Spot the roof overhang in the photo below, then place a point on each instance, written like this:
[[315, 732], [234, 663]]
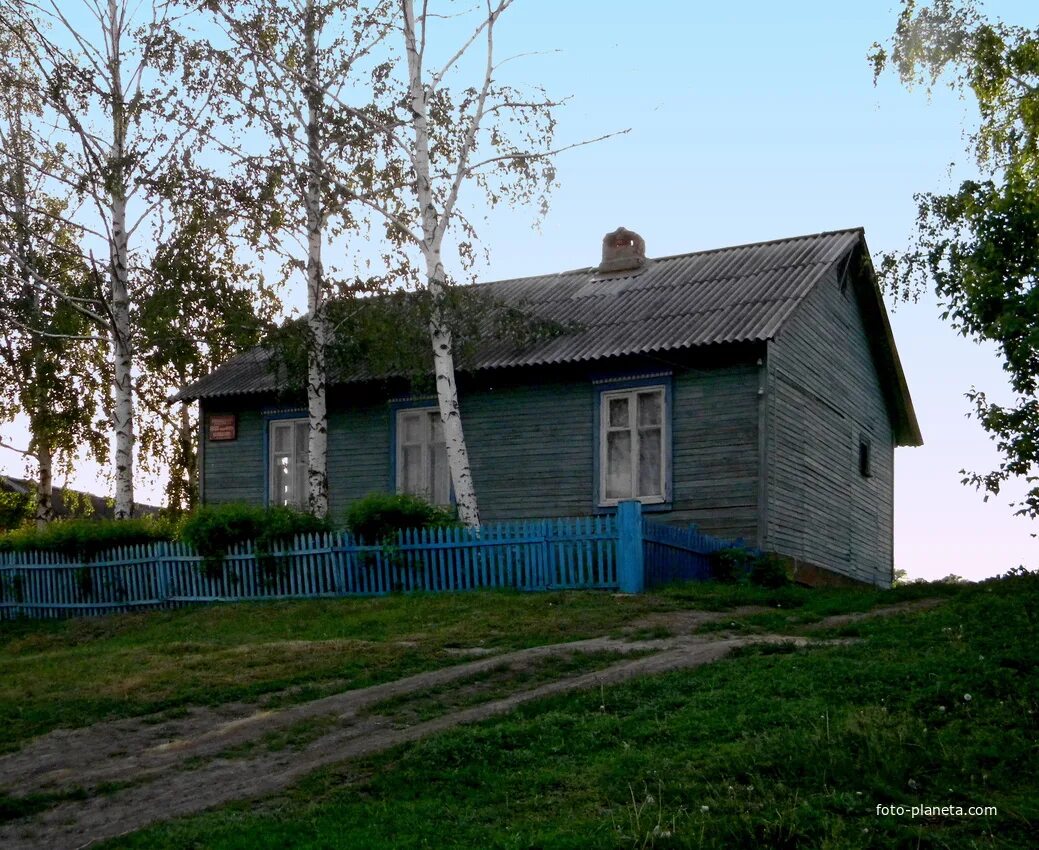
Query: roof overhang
[[892, 377]]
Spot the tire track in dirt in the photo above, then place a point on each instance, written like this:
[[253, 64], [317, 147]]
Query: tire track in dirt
[[118, 750], [163, 788]]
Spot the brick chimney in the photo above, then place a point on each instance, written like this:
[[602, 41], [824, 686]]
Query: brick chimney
[[623, 250]]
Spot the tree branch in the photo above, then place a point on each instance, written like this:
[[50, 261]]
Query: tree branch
[[9, 447], [534, 156]]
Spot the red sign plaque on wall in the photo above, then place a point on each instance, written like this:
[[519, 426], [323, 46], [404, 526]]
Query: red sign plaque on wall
[[222, 426]]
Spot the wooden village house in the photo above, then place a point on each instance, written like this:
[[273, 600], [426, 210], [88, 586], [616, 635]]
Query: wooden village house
[[754, 390]]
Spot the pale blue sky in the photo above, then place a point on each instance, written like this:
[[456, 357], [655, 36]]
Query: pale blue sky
[[759, 121], [756, 121]]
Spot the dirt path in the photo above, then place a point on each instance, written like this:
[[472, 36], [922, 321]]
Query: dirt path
[[178, 767]]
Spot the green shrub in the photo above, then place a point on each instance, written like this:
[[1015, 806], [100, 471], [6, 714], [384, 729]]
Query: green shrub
[[15, 509], [213, 530], [731, 564], [86, 538], [379, 516], [768, 570], [738, 565]]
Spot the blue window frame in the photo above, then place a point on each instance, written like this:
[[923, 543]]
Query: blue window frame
[[418, 454], [285, 438], [632, 454]]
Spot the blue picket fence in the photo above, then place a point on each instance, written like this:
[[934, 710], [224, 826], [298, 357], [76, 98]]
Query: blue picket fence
[[531, 555], [606, 552], [673, 553]]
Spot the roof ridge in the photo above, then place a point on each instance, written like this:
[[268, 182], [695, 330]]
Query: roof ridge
[[860, 230], [778, 275], [730, 276]]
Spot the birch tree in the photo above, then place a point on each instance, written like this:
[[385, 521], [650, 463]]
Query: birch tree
[[458, 135], [108, 91], [51, 372], [292, 67], [977, 246], [51, 368], [201, 306]]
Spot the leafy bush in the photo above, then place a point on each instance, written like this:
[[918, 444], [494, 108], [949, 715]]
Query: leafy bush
[[379, 516], [212, 530], [86, 538], [15, 509], [768, 570], [735, 564], [731, 565]]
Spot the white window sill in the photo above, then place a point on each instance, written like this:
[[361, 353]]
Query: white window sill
[[648, 500]]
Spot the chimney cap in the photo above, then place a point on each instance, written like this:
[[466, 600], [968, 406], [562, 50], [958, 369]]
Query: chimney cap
[[622, 250]]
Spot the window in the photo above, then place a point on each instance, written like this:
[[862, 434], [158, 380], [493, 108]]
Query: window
[[288, 462], [865, 458], [422, 455], [632, 445]]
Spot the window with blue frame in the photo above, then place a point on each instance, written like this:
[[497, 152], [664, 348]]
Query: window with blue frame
[[287, 464], [634, 445], [422, 468]]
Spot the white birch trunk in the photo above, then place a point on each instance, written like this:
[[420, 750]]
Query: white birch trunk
[[122, 350], [317, 444], [122, 362], [44, 484], [447, 398], [188, 456], [432, 238]]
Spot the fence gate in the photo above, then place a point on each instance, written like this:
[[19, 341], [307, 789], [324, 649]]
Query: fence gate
[[675, 553]]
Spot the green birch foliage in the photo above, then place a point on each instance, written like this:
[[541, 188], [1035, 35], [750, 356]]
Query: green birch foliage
[[200, 306], [53, 372], [52, 368], [978, 247], [15, 509], [387, 335]]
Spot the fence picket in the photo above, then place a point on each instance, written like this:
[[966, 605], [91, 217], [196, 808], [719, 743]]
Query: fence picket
[[436, 560], [458, 538], [384, 570], [512, 533], [317, 566], [368, 566], [499, 556], [456, 555], [563, 552], [307, 565], [347, 556], [410, 576], [415, 561]]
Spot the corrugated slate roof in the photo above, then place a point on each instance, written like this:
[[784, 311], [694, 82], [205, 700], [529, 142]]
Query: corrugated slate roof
[[246, 373], [739, 294]]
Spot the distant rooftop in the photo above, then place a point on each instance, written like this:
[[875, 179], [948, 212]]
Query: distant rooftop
[[73, 503]]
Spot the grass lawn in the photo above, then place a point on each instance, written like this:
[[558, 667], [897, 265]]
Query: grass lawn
[[773, 747], [76, 672]]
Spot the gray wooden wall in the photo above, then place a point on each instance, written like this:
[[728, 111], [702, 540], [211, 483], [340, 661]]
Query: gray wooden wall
[[824, 392], [532, 444]]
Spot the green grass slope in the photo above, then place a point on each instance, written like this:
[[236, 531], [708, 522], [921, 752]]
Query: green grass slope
[[773, 748], [80, 671]]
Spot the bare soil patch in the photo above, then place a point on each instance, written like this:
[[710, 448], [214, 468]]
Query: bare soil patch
[[688, 622], [164, 768], [838, 620]]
